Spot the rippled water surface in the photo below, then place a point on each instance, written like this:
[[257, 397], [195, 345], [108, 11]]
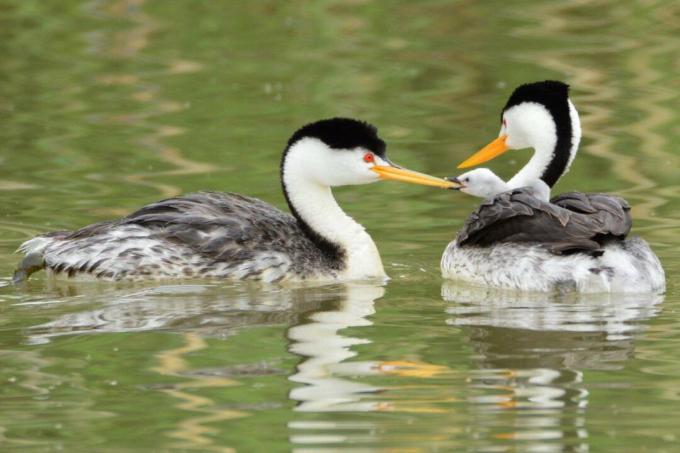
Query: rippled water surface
[[106, 105]]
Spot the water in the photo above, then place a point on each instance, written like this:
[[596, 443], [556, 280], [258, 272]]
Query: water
[[107, 105]]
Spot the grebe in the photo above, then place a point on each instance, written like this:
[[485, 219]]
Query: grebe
[[226, 235], [519, 239]]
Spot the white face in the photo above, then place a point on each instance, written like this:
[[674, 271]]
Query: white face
[[312, 159], [481, 182], [529, 125]]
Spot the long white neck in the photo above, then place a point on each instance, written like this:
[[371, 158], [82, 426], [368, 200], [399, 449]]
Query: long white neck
[[533, 170], [315, 205]]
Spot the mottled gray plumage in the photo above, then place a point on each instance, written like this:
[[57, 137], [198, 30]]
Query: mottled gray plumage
[[569, 223], [204, 234]]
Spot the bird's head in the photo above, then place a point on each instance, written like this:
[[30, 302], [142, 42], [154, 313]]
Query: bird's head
[[537, 115], [480, 182], [343, 151]]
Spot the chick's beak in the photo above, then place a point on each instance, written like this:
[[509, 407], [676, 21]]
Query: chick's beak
[[397, 173], [456, 181], [493, 149]]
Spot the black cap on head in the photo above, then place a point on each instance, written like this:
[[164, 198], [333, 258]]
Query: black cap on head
[[550, 93], [342, 133]]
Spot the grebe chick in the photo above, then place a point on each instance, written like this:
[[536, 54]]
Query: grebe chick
[[483, 183]]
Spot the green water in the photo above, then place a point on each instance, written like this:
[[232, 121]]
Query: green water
[[108, 105]]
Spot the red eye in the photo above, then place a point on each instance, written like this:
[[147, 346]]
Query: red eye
[[504, 123], [368, 157]]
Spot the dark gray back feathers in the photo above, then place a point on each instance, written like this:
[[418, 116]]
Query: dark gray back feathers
[[571, 222], [231, 227]]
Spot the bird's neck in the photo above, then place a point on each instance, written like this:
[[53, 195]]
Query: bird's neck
[[336, 234], [531, 175], [553, 152], [536, 167]]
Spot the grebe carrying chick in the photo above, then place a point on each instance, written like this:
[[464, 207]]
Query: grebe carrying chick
[[226, 235], [521, 239]]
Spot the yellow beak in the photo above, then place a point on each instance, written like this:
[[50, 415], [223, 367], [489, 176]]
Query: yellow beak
[[413, 177], [493, 149]]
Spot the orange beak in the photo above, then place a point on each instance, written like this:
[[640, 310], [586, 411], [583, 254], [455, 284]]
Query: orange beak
[[412, 177], [493, 149]]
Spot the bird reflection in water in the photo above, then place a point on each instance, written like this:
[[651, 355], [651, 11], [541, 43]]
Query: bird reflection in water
[[328, 380], [533, 354], [331, 383], [193, 314], [325, 350], [208, 309], [326, 371]]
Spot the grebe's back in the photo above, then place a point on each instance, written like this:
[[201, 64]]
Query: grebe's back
[[207, 234]]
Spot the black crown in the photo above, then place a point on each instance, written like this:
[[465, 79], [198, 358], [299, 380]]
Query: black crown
[[342, 133]]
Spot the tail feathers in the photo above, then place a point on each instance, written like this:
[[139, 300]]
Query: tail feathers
[[34, 259]]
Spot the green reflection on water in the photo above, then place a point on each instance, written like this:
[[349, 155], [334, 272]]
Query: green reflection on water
[[106, 105]]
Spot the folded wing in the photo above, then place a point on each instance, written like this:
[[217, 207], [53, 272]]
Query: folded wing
[[569, 223]]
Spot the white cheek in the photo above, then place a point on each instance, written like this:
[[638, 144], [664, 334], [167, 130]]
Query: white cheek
[[516, 138], [372, 176], [529, 125], [312, 160], [348, 168], [364, 175]]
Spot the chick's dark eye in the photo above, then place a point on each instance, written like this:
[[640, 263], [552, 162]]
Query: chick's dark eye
[[368, 158], [467, 180], [505, 124]]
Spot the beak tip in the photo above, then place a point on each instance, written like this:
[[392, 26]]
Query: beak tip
[[454, 180]]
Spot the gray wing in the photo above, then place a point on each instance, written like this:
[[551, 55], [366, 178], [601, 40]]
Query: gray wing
[[571, 222], [239, 235], [224, 226]]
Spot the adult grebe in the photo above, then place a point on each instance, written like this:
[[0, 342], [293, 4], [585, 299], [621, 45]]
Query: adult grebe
[[519, 239], [227, 235]]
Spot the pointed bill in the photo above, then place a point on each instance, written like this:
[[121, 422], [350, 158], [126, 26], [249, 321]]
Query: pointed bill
[[412, 177], [493, 149]]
